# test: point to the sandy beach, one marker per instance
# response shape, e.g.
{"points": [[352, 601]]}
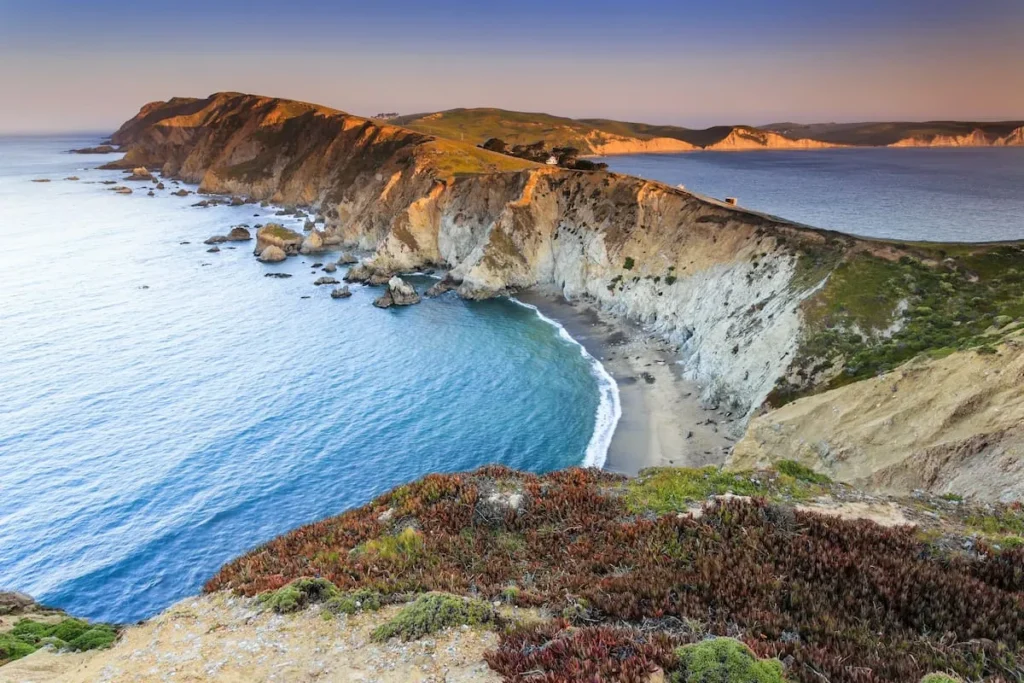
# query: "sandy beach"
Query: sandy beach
{"points": [[663, 422]]}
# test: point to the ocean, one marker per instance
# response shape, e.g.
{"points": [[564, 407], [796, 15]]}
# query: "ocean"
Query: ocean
{"points": [[164, 409], [939, 195]]}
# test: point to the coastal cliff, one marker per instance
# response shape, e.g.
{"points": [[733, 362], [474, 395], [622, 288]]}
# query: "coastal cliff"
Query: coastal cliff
{"points": [[762, 309]]}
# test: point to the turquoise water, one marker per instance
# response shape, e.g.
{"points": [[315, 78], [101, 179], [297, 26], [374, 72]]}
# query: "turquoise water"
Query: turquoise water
{"points": [[955, 195], [163, 409]]}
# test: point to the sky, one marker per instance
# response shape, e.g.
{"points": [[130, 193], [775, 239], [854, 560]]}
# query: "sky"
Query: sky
{"points": [[76, 66]]}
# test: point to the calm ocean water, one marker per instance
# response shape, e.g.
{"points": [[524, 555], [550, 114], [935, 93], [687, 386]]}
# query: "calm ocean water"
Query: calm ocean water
{"points": [[163, 409], [957, 195]]}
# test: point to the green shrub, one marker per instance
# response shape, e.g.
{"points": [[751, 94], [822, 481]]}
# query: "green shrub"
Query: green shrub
{"points": [[12, 648], [940, 678], [298, 594], [724, 660], [27, 636], [355, 601], [96, 637], [432, 613], [404, 546], [629, 263], [801, 472]]}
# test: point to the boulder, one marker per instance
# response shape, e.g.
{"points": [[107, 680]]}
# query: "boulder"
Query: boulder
{"points": [[347, 258], [213, 250], [309, 225], [140, 173], [236, 201], [325, 281], [275, 234], [181, 193], [313, 243], [216, 239], [151, 194], [13, 602], [159, 186], [238, 234], [398, 293], [122, 190], [330, 268], [272, 254], [341, 292]]}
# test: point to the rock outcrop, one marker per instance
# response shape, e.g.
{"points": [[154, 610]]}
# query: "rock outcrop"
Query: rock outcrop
{"points": [[341, 292], [398, 293]]}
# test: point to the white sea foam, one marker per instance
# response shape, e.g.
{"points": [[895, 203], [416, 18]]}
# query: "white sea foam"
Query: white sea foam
{"points": [[609, 408]]}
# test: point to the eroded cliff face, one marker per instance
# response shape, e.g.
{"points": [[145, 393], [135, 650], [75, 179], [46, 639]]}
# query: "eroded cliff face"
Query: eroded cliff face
{"points": [[729, 286], [742, 139], [976, 138]]}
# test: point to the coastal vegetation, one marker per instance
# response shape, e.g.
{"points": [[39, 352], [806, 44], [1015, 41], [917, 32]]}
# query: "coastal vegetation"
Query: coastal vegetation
{"points": [[66, 634], [633, 575], [875, 313]]}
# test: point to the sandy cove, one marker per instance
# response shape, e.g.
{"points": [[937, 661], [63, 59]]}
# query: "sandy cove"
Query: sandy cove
{"points": [[663, 422]]}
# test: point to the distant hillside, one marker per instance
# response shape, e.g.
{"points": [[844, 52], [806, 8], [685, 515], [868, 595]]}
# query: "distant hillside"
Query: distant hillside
{"points": [[606, 136], [515, 127], [905, 134]]}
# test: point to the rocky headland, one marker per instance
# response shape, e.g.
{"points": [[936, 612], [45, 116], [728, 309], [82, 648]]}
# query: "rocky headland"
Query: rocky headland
{"points": [[762, 311]]}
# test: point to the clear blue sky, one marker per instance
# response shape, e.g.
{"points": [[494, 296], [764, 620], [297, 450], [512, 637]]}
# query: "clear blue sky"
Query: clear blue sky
{"points": [[90, 65]]}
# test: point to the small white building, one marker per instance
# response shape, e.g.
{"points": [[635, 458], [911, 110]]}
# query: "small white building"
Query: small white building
{"points": [[552, 160]]}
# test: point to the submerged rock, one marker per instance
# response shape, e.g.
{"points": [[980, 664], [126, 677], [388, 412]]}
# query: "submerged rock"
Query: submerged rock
{"points": [[71, 177], [181, 193], [213, 250], [216, 239], [399, 293], [122, 190], [277, 275], [341, 292], [272, 254]]}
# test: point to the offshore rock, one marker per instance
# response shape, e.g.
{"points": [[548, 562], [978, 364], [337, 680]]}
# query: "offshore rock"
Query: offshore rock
{"points": [[272, 254], [238, 234], [347, 258], [275, 234], [140, 173], [325, 281], [399, 293], [341, 292]]}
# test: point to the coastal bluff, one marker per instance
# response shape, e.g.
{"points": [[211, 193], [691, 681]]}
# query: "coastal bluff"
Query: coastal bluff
{"points": [[763, 311]]}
